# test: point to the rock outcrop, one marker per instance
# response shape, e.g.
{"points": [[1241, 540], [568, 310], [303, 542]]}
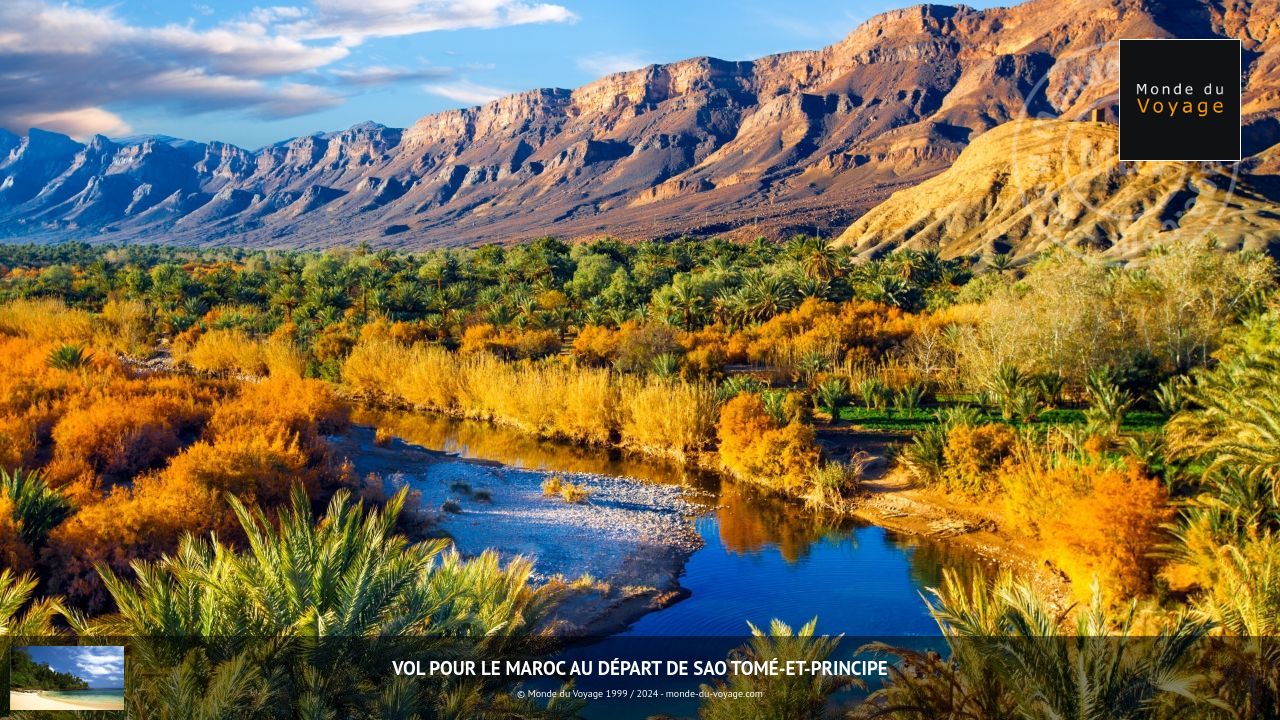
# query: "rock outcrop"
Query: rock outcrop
{"points": [[1031, 185]]}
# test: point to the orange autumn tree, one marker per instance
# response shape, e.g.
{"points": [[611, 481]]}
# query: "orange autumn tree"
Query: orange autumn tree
{"points": [[257, 444], [509, 343], [141, 522], [1094, 519], [596, 346], [974, 452], [113, 439], [1112, 532], [854, 331], [755, 447]]}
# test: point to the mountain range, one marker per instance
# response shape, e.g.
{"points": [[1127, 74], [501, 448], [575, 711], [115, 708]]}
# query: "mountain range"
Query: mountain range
{"points": [[805, 141]]}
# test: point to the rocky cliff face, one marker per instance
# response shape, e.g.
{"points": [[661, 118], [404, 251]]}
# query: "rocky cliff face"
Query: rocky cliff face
{"points": [[797, 141], [1031, 185]]}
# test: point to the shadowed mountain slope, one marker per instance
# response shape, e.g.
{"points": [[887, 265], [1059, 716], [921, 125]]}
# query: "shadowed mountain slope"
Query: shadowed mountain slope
{"points": [[1031, 184]]}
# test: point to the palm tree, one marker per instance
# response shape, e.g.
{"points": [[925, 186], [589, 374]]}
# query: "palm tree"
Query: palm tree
{"points": [[908, 399], [69, 357], [819, 259], [1236, 420], [681, 301], [802, 696], [288, 295], [318, 609], [1170, 396], [727, 305], [1108, 402], [811, 288], [1230, 423], [1101, 671], [20, 616], [36, 506], [302, 577], [196, 689], [666, 365], [404, 297], [766, 295], [617, 316], [363, 277], [760, 251], [830, 395], [1010, 658], [877, 281], [931, 264], [909, 264], [1243, 602], [1004, 386], [969, 683], [1001, 262], [808, 365]]}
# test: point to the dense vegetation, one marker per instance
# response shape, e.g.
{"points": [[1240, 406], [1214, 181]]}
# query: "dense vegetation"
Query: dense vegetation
{"points": [[27, 674], [1117, 422]]}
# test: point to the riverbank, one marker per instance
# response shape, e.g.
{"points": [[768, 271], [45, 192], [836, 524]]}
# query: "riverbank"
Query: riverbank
{"points": [[38, 700], [886, 497], [891, 502], [620, 552]]}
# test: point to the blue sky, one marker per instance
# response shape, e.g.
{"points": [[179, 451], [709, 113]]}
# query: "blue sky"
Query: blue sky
{"points": [[252, 72], [99, 665]]}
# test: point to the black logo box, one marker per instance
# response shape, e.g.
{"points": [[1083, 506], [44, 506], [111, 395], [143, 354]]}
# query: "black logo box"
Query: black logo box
{"points": [[1188, 63]]}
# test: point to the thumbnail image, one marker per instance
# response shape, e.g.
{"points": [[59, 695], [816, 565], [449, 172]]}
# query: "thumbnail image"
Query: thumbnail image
{"points": [[71, 677]]}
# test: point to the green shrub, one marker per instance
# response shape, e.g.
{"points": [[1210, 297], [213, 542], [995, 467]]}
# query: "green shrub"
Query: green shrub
{"points": [[874, 394], [833, 482], [69, 357], [830, 395], [1006, 388], [908, 399], [666, 365], [1108, 402], [924, 457]]}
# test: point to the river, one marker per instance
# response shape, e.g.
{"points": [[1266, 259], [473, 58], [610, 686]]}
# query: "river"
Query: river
{"points": [[761, 558]]}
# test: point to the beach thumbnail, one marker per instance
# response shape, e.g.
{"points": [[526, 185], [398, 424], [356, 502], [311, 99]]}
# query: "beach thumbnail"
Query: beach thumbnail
{"points": [[70, 677]]}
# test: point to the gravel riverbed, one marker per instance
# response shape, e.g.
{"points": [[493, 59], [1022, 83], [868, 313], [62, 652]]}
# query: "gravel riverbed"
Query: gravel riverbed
{"points": [[630, 534]]}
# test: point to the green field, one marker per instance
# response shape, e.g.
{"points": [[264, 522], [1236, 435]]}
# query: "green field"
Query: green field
{"points": [[894, 420]]}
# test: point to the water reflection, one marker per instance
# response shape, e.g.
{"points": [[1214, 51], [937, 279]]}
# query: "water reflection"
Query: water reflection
{"points": [[482, 441], [748, 521]]}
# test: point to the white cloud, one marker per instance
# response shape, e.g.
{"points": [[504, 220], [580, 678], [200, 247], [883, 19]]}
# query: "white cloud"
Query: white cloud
{"points": [[465, 91], [355, 20], [76, 67], [242, 49], [73, 67], [100, 663], [79, 123], [609, 63], [384, 75]]}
